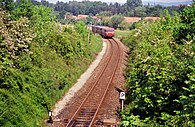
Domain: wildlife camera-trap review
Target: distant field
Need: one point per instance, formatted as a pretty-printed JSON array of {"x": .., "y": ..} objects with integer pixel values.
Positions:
[
  {"x": 127, "y": 19},
  {"x": 121, "y": 33},
  {"x": 137, "y": 19}
]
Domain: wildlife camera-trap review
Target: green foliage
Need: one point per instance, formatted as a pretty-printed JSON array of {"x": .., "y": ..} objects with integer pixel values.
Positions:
[
  {"x": 124, "y": 25},
  {"x": 23, "y": 9},
  {"x": 92, "y": 8},
  {"x": 140, "y": 11},
  {"x": 39, "y": 61},
  {"x": 160, "y": 76},
  {"x": 7, "y": 4},
  {"x": 116, "y": 20},
  {"x": 105, "y": 13},
  {"x": 16, "y": 36},
  {"x": 106, "y": 21},
  {"x": 122, "y": 34},
  {"x": 134, "y": 3},
  {"x": 90, "y": 20},
  {"x": 187, "y": 27},
  {"x": 132, "y": 26},
  {"x": 40, "y": 16}
]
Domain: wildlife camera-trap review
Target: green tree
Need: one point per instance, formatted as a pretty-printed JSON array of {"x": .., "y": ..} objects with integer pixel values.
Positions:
[
  {"x": 106, "y": 21},
  {"x": 187, "y": 28},
  {"x": 134, "y": 3},
  {"x": 140, "y": 11},
  {"x": 116, "y": 20},
  {"x": 105, "y": 13},
  {"x": 23, "y": 9},
  {"x": 7, "y": 4},
  {"x": 124, "y": 25}
]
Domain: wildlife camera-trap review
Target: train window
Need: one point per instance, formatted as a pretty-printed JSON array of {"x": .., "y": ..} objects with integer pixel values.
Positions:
[{"x": 109, "y": 30}]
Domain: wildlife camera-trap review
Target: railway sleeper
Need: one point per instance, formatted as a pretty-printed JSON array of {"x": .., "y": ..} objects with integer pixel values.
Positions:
[
  {"x": 81, "y": 124},
  {"x": 88, "y": 109},
  {"x": 83, "y": 120},
  {"x": 84, "y": 117},
  {"x": 91, "y": 106},
  {"x": 87, "y": 113}
]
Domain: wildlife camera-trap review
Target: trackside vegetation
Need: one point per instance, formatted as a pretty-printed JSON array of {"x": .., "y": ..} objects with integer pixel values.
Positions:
[
  {"x": 39, "y": 61},
  {"x": 160, "y": 78}
]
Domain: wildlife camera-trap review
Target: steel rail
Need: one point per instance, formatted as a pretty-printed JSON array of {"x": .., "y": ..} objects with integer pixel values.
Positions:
[
  {"x": 79, "y": 108},
  {"x": 105, "y": 92}
]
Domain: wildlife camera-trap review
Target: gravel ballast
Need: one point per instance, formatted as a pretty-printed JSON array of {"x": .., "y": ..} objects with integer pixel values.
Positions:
[{"x": 81, "y": 81}]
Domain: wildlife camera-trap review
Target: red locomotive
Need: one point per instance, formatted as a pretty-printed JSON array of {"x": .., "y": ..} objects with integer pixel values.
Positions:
[{"x": 104, "y": 31}]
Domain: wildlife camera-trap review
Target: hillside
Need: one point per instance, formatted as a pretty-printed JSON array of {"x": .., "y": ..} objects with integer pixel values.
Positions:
[{"x": 39, "y": 61}]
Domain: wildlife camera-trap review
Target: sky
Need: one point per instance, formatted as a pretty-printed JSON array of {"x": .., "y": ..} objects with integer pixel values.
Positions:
[
  {"x": 122, "y": 1},
  {"x": 167, "y": 1}
]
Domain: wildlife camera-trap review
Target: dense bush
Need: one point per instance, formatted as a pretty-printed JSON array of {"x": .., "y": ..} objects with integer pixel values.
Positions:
[
  {"x": 161, "y": 73},
  {"x": 39, "y": 60},
  {"x": 187, "y": 25}
]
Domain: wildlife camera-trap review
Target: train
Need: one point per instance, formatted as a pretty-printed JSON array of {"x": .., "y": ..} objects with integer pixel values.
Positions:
[{"x": 104, "y": 31}]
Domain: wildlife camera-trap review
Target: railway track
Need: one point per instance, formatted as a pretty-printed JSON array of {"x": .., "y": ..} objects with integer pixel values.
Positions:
[{"x": 86, "y": 113}]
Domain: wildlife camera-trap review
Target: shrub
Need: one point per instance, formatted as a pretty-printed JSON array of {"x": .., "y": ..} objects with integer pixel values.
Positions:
[{"x": 160, "y": 76}]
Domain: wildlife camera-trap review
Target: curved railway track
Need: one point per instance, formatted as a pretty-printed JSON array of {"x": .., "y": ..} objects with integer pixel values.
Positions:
[
  {"x": 86, "y": 113},
  {"x": 88, "y": 106}
]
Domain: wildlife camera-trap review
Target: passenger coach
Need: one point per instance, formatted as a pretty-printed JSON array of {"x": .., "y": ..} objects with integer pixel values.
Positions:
[{"x": 106, "y": 32}]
